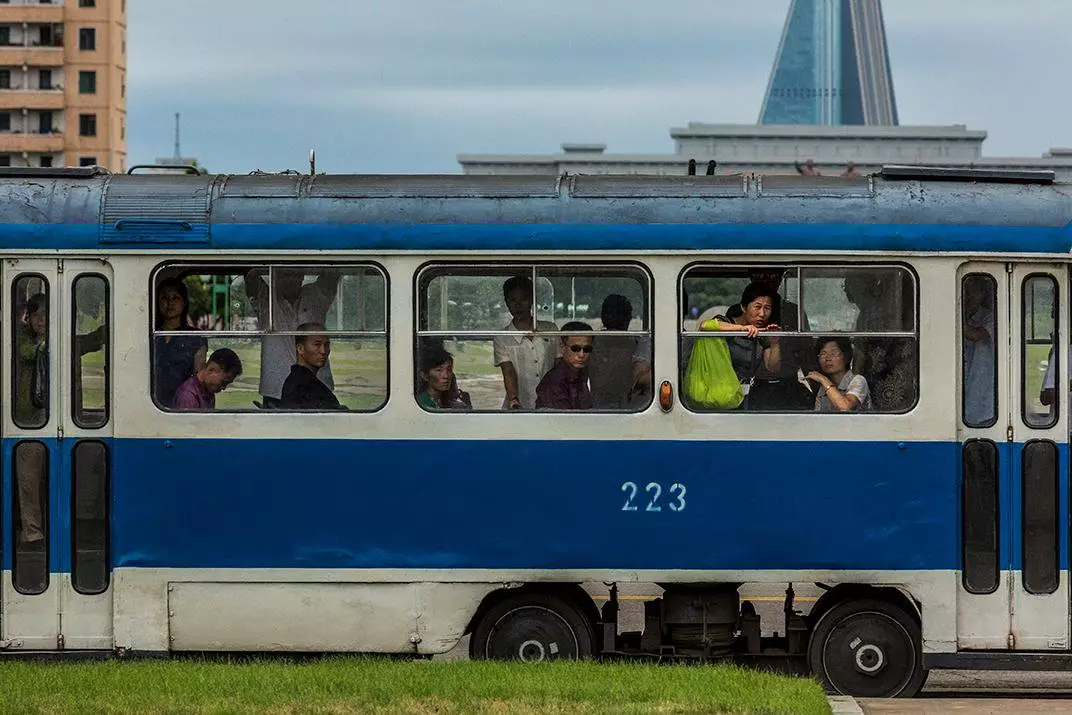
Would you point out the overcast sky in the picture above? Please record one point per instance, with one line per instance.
(406, 85)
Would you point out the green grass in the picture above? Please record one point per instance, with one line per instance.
(360, 685)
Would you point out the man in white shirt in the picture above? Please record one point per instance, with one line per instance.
(1049, 381)
(523, 359)
(294, 303)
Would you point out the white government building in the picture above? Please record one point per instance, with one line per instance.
(776, 149)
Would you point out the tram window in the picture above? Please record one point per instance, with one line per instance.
(89, 358)
(258, 312)
(981, 517)
(489, 335)
(1041, 362)
(1040, 517)
(873, 307)
(979, 386)
(30, 522)
(30, 336)
(89, 533)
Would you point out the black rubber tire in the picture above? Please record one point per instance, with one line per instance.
(868, 648)
(531, 627)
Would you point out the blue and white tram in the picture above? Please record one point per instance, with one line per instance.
(940, 537)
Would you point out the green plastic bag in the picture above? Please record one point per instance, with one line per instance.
(710, 380)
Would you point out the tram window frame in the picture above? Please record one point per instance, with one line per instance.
(1054, 342)
(744, 267)
(184, 268)
(16, 323)
(992, 287)
(78, 410)
(629, 270)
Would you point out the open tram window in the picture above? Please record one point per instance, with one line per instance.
(827, 338)
(1040, 360)
(89, 358)
(534, 336)
(321, 327)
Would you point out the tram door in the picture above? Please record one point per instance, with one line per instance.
(57, 437)
(1013, 426)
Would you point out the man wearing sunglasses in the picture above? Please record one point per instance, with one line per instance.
(565, 386)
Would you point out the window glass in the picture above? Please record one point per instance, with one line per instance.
(1041, 362)
(1040, 517)
(290, 337)
(981, 517)
(29, 510)
(798, 338)
(89, 358)
(978, 328)
(526, 337)
(89, 532)
(31, 372)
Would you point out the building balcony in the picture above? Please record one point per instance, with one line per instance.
(31, 99)
(18, 14)
(18, 55)
(17, 142)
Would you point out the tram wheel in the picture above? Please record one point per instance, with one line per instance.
(867, 648)
(531, 627)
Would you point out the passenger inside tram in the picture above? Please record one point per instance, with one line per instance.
(176, 357)
(31, 404)
(303, 389)
(888, 363)
(565, 386)
(438, 386)
(293, 303)
(840, 390)
(199, 391)
(620, 366)
(780, 389)
(523, 359)
(979, 328)
(750, 354)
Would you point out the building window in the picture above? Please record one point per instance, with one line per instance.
(87, 125)
(44, 122)
(5, 79)
(5, 160)
(5, 121)
(87, 3)
(45, 35)
(87, 161)
(87, 82)
(44, 79)
(46, 161)
(87, 39)
(5, 35)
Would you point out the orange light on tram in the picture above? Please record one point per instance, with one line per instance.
(666, 396)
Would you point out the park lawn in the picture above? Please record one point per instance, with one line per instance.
(367, 685)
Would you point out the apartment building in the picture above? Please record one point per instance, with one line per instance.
(63, 83)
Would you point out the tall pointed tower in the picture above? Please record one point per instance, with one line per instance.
(832, 66)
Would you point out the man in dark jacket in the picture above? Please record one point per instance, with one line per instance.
(302, 390)
(565, 386)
